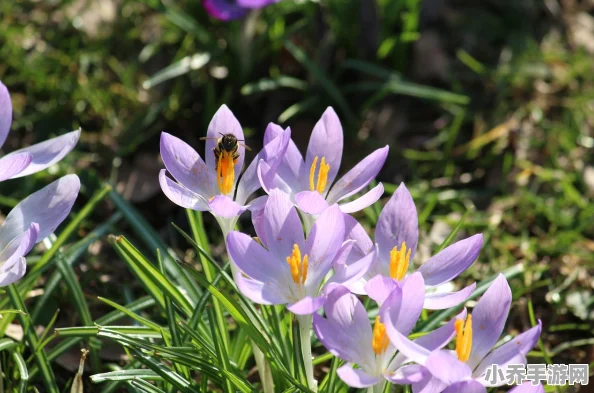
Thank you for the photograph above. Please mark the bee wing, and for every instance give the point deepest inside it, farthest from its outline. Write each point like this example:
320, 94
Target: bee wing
209, 139
246, 147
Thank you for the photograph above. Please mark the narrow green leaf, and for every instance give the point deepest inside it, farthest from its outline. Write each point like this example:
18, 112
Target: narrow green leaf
47, 374
125, 375
146, 232
23, 371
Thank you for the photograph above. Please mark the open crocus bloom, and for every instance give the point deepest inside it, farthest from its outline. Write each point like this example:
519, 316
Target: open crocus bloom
288, 269
347, 333
233, 9
310, 182
31, 159
211, 186
464, 370
31, 221
396, 236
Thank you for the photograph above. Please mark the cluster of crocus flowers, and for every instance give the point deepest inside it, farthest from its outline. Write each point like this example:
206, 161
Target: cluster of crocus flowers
38, 215
310, 254
233, 9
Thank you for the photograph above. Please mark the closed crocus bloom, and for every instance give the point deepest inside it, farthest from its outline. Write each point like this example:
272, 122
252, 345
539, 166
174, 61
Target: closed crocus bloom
233, 9
31, 159
464, 370
310, 182
396, 237
213, 185
288, 268
347, 333
31, 221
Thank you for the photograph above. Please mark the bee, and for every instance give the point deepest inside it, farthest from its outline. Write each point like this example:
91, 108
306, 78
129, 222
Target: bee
227, 143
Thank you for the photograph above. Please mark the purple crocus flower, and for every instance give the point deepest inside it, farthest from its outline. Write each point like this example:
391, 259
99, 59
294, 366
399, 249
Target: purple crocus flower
31, 159
464, 370
233, 9
347, 333
211, 186
396, 236
287, 268
310, 183
31, 221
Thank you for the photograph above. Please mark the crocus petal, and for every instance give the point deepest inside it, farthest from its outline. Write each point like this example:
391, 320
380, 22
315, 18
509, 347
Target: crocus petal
408, 374
443, 300
326, 141
488, 319
47, 153
397, 223
47, 207
224, 9
410, 349
451, 261
346, 331
443, 365
253, 260
186, 166
261, 292
436, 339
311, 202
18, 247
323, 243
413, 296
308, 305
14, 164
365, 200
347, 275
14, 274
358, 177
269, 179
355, 231
290, 165
271, 153
180, 195
508, 352
356, 378
223, 123
5, 113
380, 287
224, 206
282, 226
429, 384
466, 387
527, 387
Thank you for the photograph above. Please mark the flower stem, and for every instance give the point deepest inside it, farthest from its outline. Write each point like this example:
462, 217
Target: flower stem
263, 369
304, 331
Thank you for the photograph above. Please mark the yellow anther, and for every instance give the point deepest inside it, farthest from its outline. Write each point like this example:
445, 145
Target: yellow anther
225, 172
463, 338
298, 265
320, 185
380, 340
399, 260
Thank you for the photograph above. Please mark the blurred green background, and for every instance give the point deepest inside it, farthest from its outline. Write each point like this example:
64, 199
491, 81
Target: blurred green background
487, 106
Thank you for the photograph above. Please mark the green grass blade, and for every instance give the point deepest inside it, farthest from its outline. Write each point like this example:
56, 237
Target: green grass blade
49, 380
23, 371
126, 375
148, 235
322, 78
